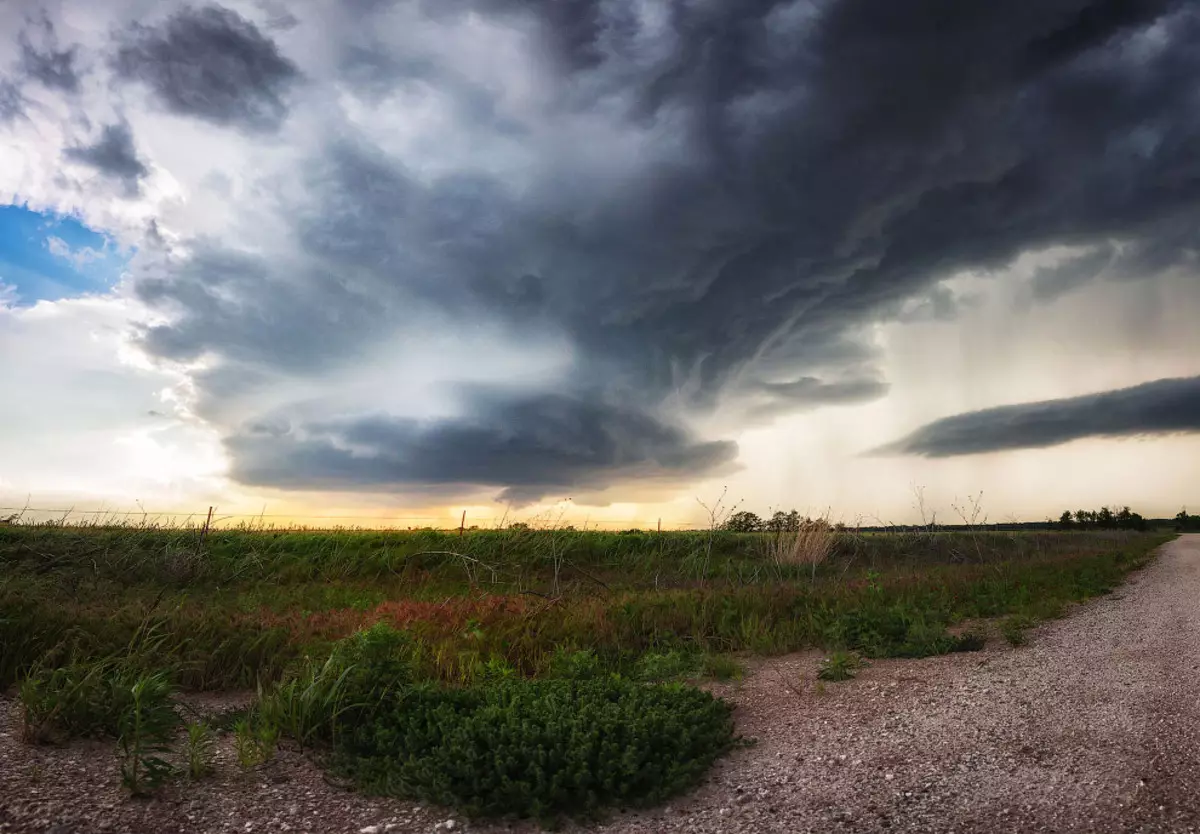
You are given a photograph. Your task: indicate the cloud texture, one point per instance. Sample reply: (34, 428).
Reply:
(704, 206)
(1167, 406)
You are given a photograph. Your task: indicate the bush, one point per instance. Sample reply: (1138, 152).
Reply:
(538, 748)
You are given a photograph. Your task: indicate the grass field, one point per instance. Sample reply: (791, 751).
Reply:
(569, 655)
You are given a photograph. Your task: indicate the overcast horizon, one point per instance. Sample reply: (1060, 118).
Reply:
(413, 258)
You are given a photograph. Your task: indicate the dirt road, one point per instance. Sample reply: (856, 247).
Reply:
(1093, 726)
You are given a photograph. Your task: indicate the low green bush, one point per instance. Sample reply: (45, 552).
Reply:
(537, 748)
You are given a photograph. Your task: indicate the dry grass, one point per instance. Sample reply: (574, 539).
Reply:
(810, 545)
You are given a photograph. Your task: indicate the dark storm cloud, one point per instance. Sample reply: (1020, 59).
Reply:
(114, 155)
(825, 166)
(1168, 406)
(530, 446)
(213, 64)
(1050, 282)
(810, 392)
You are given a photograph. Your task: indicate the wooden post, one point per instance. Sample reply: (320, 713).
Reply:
(207, 524)
(462, 524)
(660, 525)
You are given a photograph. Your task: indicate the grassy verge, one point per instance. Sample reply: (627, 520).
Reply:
(529, 673)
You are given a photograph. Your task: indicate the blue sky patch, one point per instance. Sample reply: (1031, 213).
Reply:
(46, 256)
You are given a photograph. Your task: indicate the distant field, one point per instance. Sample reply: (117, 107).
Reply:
(506, 619)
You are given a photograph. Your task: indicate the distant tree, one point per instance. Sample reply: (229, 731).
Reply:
(1065, 521)
(518, 525)
(782, 522)
(744, 522)
(1183, 521)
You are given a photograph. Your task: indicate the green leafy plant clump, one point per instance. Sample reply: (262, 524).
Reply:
(538, 748)
(839, 666)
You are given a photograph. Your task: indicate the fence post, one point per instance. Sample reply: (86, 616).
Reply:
(462, 524)
(207, 524)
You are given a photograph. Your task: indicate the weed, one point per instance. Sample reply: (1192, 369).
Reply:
(664, 666)
(574, 665)
(200, 742)
(248, 744)
(147, 725)
(839, 666)
(1014, 627)
(722, 667)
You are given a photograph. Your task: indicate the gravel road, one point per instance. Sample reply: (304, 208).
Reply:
(1093, 726)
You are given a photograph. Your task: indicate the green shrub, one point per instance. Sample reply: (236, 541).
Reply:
(538, 748)
(147, 725)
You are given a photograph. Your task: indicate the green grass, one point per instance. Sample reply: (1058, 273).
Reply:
(373, 646)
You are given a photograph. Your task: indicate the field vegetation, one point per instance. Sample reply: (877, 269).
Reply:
(523, 671)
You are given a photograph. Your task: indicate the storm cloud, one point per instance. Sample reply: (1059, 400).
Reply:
(213, 64)
(529, 446)
(1167, 406)
(706, 207)
(113, 155)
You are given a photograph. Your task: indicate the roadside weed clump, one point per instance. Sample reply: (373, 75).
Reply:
(309, 704)
(147, 726)
(200, 741)
(78, 699)
(664, 666)
(722, 667)
(839, 666)
(582, 664)
(537, 748)
(1014, 627)
(254, 742)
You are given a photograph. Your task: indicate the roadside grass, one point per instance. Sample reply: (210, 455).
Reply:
(403, 655)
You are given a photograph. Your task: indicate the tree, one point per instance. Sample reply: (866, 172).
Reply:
(1064, 520)
(744, 522)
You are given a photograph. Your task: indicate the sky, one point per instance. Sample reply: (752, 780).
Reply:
(603, 260)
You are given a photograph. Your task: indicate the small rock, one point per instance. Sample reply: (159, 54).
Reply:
(369, 829)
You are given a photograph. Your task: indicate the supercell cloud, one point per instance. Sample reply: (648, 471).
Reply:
(702, 207)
